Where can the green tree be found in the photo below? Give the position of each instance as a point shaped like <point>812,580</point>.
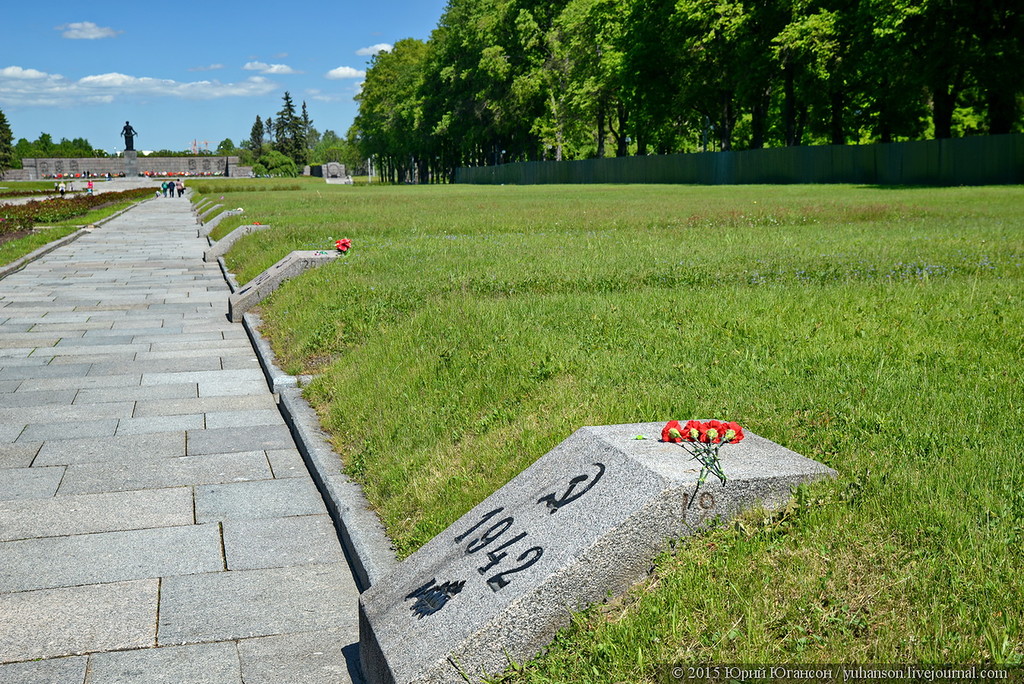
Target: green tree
<point>7,157</point>
<point>290,135</point>
<point>585,88</point>
<point>226,147</point>
<point>255,142</point>
<point>310,136</point>
<point>386,127</point>
<point>275,163</point>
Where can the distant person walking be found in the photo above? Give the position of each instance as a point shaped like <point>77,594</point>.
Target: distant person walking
<point>89,186</point>
<point>181,188</point>
<point>62,189</point>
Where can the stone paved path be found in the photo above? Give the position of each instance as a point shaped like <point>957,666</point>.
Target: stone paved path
<point>157,523</point>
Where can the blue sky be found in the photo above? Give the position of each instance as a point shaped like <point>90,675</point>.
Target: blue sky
<point>188,70</point>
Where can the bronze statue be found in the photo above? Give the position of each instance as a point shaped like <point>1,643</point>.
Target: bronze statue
<point>129,137</point>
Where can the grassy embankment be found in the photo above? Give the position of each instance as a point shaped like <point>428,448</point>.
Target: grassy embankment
<point>879,331</point>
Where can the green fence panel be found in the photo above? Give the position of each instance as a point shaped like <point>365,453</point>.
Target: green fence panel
<point>978,160</point>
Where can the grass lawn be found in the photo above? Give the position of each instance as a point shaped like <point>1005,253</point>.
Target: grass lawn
<point>877,330</point>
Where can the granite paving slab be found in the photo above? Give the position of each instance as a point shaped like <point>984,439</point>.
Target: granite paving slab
<point>224,440</point>
<point>287,463</point>
<point>116,449</point>
<point>280,542</point>
<point>45,398</point>
<point>18,455</point>
<point>29,483</point>
<point>52,671</point>
<point>248,603</point>
<point>79,429</point>
<point>77,620</point>
<point>196,404</point>
<point>93,478</point>
<point>110,557</point>
<point>258,499</point>
<point>215,663</point>
<point>303,658</point>
<point>82,514</point>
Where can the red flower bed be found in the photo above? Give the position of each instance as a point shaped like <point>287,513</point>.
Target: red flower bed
<point>15,217</point>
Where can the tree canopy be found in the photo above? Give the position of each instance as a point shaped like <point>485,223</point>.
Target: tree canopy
<point>509,80</point>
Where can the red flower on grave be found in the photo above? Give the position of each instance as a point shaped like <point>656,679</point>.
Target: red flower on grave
<point>343,245</point>
<point>711,432</point>
<point>733,433</point>
<point>672,432</point>
<point>702,441</point>
<point>691,431</point>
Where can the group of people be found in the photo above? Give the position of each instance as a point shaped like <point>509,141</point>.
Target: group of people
<point>168,188</point>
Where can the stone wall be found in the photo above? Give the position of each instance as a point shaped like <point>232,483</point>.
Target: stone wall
<point>203,165</point>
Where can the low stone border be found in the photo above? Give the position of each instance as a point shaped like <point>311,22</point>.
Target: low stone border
<point>276,378</point>
<point>367,547</point>
<point>228,275</point>
<point>21,262</point>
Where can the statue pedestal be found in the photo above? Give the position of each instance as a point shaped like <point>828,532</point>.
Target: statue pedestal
<point>131,163</point>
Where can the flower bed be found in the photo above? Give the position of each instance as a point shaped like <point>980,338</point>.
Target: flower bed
<point>15,217</point>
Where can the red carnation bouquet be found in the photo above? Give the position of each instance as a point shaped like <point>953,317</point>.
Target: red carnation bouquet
<point>343,246</point>
<point>702,441</point>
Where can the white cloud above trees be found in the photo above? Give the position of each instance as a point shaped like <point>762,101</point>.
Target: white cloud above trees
<point>345,72</point>
<point>374,49</point>
<point>30,87</point>
<point>273,69</point>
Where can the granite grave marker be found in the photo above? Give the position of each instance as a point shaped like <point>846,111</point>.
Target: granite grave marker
<point>221,247</point>
<point>262,285</point>
<point>586,519</point>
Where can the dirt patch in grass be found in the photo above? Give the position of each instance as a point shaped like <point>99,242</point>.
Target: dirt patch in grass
<point>13,235</point>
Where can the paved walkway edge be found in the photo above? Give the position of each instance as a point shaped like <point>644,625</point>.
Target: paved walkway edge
<point>21,262</point>
<point>367,547</point>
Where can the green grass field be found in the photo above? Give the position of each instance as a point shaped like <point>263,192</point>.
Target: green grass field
<point>878,330</point>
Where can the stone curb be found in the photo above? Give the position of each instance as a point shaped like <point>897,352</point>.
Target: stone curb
<point>367,547</point>
<point>228,275</point>
<point>276,378</point>
<point>22,262</point>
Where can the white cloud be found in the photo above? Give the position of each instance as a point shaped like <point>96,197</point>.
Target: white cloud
<point>18,72</point>
<point>264,68</point>
<point>29,87</point>
<point>344,72</point>
<point>374,49</point>
<point>209,67</point>
<point>86,30</point>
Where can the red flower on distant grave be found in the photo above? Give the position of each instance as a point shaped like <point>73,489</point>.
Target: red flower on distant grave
<point>343,245</point>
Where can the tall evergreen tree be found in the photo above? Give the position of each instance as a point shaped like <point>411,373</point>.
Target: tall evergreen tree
<point>310,136</point>
<point>290,133</point>
<point>256,137</point>
<point>6,145</point>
